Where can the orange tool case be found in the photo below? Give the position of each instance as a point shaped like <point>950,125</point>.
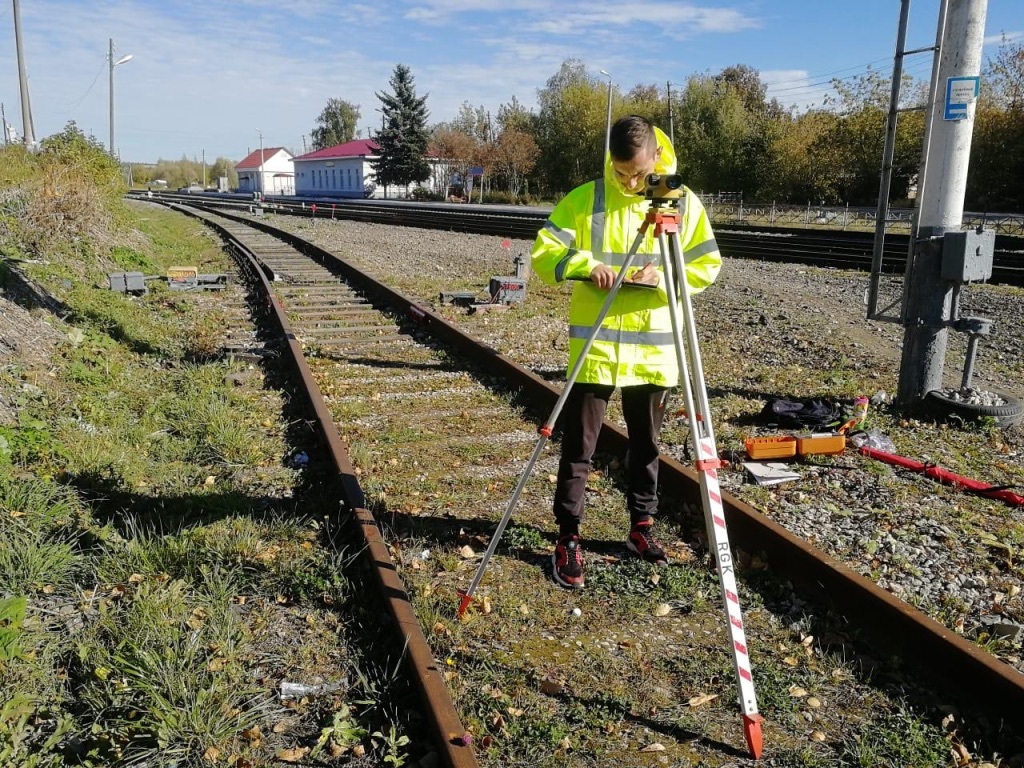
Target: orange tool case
<point>770,447</point>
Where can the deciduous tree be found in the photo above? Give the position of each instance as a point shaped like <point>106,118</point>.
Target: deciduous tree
<point>515,155</point>
<point>336,124</point>
<point>571,127</point>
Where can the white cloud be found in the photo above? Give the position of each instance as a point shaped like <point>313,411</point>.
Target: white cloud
<point>1009,37</point>
<point>794,88</point>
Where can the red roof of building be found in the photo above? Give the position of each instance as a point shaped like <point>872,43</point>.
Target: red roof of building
<point>354,148</point>
<point>252,160</point>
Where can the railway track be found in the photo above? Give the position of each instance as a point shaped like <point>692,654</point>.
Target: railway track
<point>431,429</point>
<point>838,249</point>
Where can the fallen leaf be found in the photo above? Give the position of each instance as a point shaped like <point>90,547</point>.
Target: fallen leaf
<point>817,736</point>
<point>654,747</point>
<point>792,661</point>
<point>440,629</point>
<point>467,553</point>
<point>136,578</point>
<point>960,754</point>
<point>806,641</point>
<point>552,478</point>
<point>814,702</point>
<point>796,691</point>
<point>702,699</point>
<point>662,609</point>
<point>551,687</point>
<point>292,755</point>
<point>655,578</point>
<point>211,754</point>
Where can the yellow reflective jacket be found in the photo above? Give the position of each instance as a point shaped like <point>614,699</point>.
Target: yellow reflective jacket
<point>597,223</point>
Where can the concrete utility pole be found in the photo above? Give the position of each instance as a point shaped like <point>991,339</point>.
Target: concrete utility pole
<point>942,183</point>
<point>122,60</point>
<point>671,114</point>
<point>3,119</point>
<point>27,129</point>
<point>608,123</point>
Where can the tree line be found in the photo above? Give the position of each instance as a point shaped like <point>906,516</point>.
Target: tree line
<point>729,136</point>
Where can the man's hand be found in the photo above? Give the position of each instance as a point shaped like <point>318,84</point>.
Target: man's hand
<point>602,277</point>
<point>646,275</point>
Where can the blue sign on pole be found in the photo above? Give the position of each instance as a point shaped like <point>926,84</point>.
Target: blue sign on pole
<point>476,170</point>
<point>960,91</point>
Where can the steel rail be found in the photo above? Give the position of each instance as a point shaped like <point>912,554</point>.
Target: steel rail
<point>445,720</point>
<point>966,672</point>
<point>815,247</point>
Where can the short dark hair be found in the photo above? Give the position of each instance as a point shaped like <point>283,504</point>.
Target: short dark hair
<point>629,136</point>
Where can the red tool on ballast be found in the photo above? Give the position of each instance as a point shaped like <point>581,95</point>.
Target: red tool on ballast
<point>664,214</point>
<point>945,476</point>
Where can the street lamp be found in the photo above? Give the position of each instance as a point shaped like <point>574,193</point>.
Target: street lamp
<point>122,60</point>
<point>608,125</point>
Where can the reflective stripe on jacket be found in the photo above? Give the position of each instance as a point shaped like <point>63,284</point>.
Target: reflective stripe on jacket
<point>597,223</point>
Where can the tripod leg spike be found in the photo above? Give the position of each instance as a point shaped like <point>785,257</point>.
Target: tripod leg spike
<point>752,731</point>
<point>464,603</point>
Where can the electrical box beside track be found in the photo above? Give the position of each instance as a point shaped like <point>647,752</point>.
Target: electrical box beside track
<point>967,255</point>
<point>507,290</point>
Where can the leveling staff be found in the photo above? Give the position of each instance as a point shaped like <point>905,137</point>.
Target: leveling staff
<point>587,238</point>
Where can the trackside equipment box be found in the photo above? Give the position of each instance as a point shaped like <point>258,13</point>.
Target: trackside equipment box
<point>507,290</point>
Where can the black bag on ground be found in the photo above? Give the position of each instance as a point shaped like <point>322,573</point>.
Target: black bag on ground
<point>797,414</point>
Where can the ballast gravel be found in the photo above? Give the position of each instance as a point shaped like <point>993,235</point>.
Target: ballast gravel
<point>913,537</point>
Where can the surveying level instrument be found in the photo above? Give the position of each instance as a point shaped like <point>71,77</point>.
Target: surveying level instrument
<point>664,186</point>
<point>666,193</point>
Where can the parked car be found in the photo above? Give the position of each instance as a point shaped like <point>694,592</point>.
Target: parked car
<point>191,189</point>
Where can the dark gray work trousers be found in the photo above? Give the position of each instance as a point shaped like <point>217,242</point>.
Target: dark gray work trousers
<point>643,407</point>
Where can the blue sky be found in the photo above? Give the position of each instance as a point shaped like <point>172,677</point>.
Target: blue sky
<point>211,75</point>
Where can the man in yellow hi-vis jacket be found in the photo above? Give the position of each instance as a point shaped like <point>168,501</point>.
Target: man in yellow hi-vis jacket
<point>587,238</point>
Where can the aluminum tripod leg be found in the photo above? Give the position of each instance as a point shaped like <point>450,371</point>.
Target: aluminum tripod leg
<point>549,425</point>
<point>691,381</point>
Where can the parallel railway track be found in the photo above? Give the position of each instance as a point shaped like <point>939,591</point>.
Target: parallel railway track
<point>839,249</point>
<point>407,391</point>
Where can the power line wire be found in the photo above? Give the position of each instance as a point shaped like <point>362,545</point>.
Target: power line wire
<point>74,106</point>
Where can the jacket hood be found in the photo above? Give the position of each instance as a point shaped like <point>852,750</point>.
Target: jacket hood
<point>666,164</point>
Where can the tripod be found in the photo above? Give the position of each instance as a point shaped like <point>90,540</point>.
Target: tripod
<point>665,216</point>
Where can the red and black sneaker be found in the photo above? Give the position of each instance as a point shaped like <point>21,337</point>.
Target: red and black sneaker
<point>567,562</point>
<point>642,542</point>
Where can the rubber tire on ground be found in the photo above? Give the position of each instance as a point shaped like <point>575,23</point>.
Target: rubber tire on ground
<point>1005,415</point>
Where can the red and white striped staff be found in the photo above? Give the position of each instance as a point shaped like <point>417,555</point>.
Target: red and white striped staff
<point>667,224</point>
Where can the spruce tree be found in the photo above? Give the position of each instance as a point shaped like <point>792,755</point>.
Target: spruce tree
<point>402,142</point>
